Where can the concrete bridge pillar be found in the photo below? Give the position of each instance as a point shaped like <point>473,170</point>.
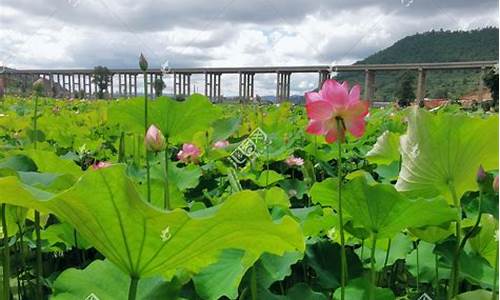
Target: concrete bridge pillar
<point>481,84</point>
<point>283,86</point>
<point>135,85</point>
<point>421,85</point>
<point>246,86</point>
<point>212,86</point>
<point>323,76</point>
<point>369,85</point>
<point>182,84</point>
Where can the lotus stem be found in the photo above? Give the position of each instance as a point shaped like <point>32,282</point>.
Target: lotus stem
<point>22,266</point>
<point>436,265</point>
<point>148,173</point>
<point>386,260</point>
<point>418,267</point>
<point>38,270</point>
<point>495,278</point>
<point>121,149</point>
<point>373,271</point>
<point>362,250</point>
<point>166,192</point>
<point>35,118</point>
<point>132,290</point>
<point>6,255</point>
<point>455,270</point>
<point>253,284</point>
<point>471,232</point>
<point>343,260</point>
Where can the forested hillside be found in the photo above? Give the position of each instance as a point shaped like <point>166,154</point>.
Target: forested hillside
<point>434,46</point>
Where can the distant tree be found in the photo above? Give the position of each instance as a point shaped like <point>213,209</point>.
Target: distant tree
<point>442,93</point>
<point>491,81</point>
<point>405,91</point>
<point>102,77</point>
<point>159,85</point>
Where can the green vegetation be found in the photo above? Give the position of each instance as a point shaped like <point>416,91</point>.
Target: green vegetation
<point>416,217</point>
<point>434,46</point>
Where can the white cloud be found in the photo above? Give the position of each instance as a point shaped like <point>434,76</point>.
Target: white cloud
<point>85,33</point>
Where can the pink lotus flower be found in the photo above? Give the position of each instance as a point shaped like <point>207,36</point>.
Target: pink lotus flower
<point>495,184</point>
<point>189,153</point>
<point>101,165</point>
<point>335,102</point>
<point>154,139</point>
<point>221,144</point>
<point>294,161</point>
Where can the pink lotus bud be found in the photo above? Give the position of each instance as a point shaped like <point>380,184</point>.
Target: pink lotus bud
<point>294,161</point>
<point>495,184</point>
<point>101,165</point>
<point>189,153</point>
<point>221,144</point>
<point>154,139</point>
<point>481,175</point>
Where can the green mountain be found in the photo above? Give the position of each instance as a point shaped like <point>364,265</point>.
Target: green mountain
<point>433,46</point>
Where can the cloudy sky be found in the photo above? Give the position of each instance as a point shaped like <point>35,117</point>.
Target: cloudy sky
<point>85,33</point>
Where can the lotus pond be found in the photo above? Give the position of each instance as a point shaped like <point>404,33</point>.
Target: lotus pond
<point>228,201</point>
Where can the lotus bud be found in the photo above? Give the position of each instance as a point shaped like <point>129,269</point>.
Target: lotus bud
<point>495,184</point>
<point>101,165</point>
<point>189,153</point>
<point>39,87</point>
<point>221,144</point>
<point>154,139</point>
<point>143,63</point>
<point>481,175</point>
<point>294,161</point>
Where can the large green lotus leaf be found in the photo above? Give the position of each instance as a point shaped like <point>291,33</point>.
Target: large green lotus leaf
<point>49,162</point>
<point>485,242</point>
<point>359,289</point>
<point>61,237</point>
<point>302,291</point>
<point>400,247</point>
<point>271,268</point>
<point>385,150</point>
<point>426,266</point>
<point>381,209</point>
<point>178,120</point>
<point>325,192</point>
<point>106,209</point>
<point>446,150</point>
<point>223,128</point>
<point>324,257</point>
<point>104,281</point>
<point>475,295</point>
<point>223,277</point>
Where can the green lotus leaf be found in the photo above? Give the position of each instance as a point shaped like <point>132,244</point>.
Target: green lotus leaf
<point>302,291</point>
<point>104,280</point>
<point>475,295</point>
<point>108,212</point>
<point>485,243</point>
<point>386,149</point>
<point>223,277</point>
<point>443,152</point>
<point>359,289</point>
<point>381,209</point>
<point>177,120</point>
